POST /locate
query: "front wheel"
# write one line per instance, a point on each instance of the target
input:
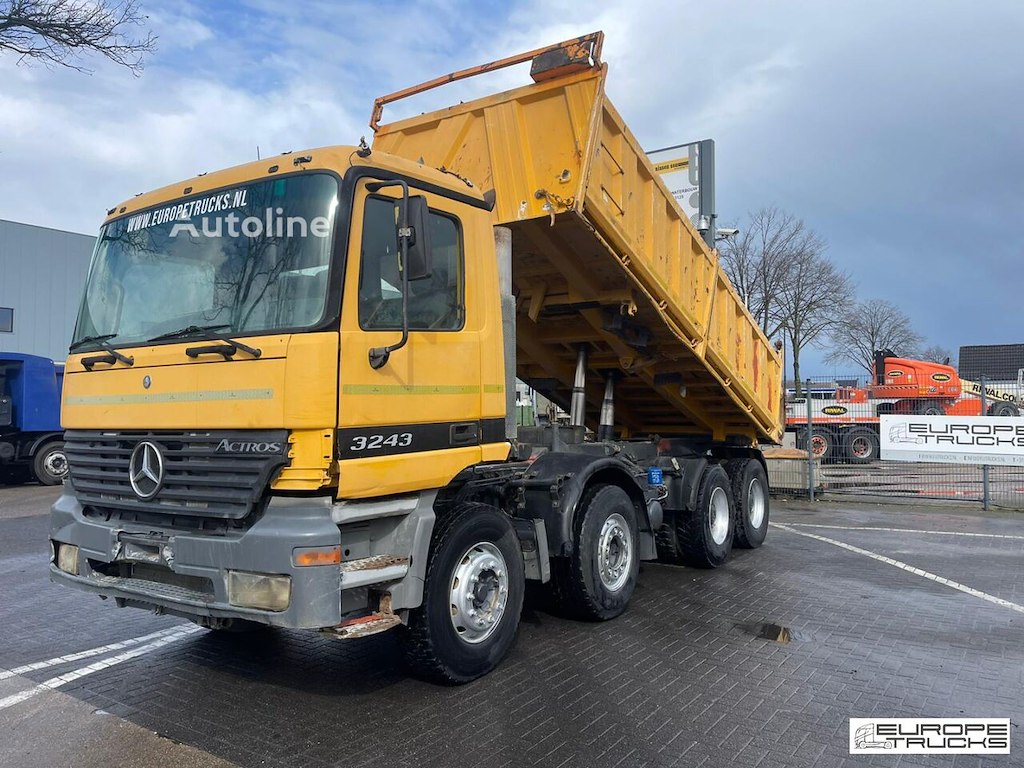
(472, 598)
(597, 581)
(1003, 409)
(823, 444)
(929, 408)
(50, 465)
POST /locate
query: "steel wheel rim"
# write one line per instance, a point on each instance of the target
(756, 503)
(614, 553)
(818, 445)
(56, 464)
(860, 447)
(479, 592)
(718, 513)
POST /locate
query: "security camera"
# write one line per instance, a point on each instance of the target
(724, 233)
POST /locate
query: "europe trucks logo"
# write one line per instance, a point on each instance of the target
(974, 434)
(930, 735)
(186, 210)
(900, 433)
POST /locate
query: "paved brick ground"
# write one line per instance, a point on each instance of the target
(681, 679)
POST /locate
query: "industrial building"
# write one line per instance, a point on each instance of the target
(42, 273)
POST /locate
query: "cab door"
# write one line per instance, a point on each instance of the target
(415, 422)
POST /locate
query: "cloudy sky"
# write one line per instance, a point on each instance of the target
(894, 129)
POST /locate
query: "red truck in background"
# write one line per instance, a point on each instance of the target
(844, 419)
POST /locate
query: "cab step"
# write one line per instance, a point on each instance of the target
(363, 626)
(378, 569)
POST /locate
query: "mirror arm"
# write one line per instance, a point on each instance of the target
(379, 355)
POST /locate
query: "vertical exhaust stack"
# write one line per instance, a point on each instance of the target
(503, 249)
(578, 405)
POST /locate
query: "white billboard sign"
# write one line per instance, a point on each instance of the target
(953, 439)
(688, 172)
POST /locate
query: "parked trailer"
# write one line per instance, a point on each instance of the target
(327, 440)
(31, 440)
(845, 419)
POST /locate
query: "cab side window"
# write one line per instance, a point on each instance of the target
(435, 303)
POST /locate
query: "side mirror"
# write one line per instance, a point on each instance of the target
(419, 264)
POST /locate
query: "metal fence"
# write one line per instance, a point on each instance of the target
(838, 418)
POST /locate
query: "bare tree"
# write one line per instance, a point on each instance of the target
(812, 300)
(758, 262)
(58, 31)
(778, 267)
(935, 354)
(869, 326)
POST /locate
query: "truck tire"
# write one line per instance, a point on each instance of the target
(1003, 409)
(705, 534)
(861, 445)
(50, 465)
(928, 408)
(597, 581)
(472, 597)
(750, 494)
(823, 444)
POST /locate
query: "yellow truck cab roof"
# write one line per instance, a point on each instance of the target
(337, 159)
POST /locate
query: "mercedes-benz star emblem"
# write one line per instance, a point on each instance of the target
(146, 470)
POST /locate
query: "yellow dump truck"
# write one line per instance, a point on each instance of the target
(290, 398)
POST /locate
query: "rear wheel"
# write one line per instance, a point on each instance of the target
(861, 445)
(929, 408)
(598, 580)
(472, 598)
(705, 534)
(50, 465)
(750, 494)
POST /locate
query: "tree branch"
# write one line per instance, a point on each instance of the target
(58, 31)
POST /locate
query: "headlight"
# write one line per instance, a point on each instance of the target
(259, 590)
(67, 558)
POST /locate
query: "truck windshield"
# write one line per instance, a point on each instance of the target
(253, 258)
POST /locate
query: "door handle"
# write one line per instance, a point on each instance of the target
(467, 433)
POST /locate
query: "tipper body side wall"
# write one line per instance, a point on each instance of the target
(604, 256)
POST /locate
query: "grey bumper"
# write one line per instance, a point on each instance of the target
(266, 547)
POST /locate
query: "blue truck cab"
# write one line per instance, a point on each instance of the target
(31, 439)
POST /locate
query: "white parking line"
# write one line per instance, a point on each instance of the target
(54, 683)
(908, 568)
(906, 530)
(79, 655)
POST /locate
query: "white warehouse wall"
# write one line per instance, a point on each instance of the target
(42, 274)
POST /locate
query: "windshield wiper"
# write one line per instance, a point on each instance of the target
(189, 330)
(112, 356)
(91, 340)
(227, 349)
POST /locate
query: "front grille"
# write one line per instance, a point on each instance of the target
(199, 480)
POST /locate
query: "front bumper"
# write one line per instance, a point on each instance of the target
(194, 564)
